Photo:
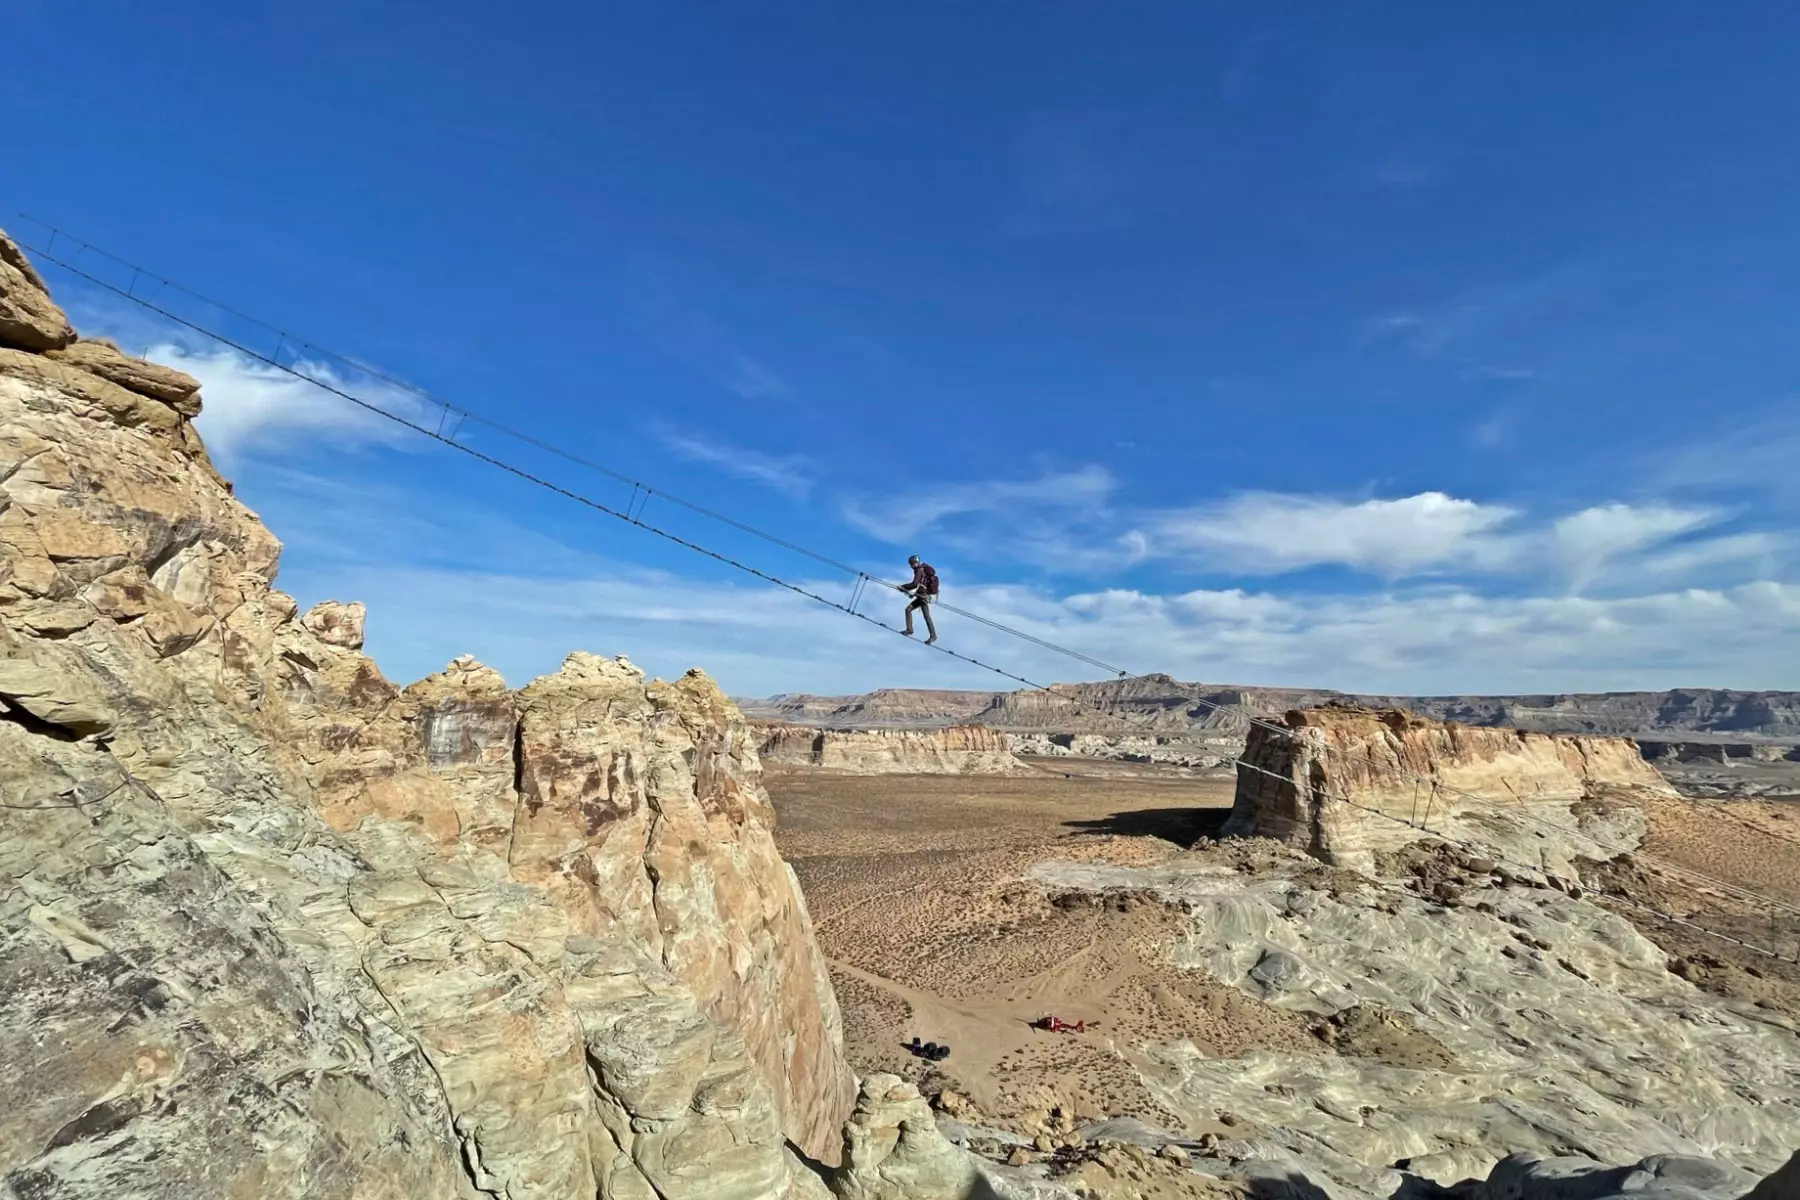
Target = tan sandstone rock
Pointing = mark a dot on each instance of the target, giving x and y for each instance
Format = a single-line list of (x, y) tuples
[(95, 397), (1344, 780), (29, 319), (893, 1150), (336, 624), (271, 926), (958, 750), (177, 389)]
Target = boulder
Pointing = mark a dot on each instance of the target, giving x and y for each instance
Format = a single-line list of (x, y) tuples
[(336, 624)]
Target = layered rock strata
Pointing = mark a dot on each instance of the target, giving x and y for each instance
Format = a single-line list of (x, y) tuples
[(958, 750), (1339, 781), (272, 926)]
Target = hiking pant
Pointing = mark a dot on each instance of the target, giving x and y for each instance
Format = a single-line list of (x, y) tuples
[(923, 604)]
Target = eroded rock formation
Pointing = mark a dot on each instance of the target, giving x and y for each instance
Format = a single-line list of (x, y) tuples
[(272, 926), (1342, 781), (1137, 748), (893, 1150), (957, 750)]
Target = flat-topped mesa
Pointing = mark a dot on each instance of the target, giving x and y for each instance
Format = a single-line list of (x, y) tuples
[(274, 926), (957, 750), (1157, 704), (1341, 782), (898, 707)]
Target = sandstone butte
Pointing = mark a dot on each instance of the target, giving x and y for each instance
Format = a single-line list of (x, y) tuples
[(271, 926), (956, 750), (1338, 781)]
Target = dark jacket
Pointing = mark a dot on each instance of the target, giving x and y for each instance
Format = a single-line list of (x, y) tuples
[(924, 581)]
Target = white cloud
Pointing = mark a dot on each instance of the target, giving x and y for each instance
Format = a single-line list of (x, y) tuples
[(444, 578), (1068, 522), (1434, 534), (1260, 533), (1423, 333), (790, 474), (900, 518), (253, 409), (753, 381), (1755, 555), (759, 640), (1587, 542), (1759, 455), (1402, 174), (675, 302)]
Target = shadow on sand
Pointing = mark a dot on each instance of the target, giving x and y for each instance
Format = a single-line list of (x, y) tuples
[(1183, 826)]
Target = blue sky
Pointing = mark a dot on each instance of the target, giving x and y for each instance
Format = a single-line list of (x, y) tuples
[(1408, 347)]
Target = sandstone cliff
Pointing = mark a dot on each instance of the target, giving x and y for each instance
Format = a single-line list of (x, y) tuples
[(271, 926), (1333, 783), (957, 750)]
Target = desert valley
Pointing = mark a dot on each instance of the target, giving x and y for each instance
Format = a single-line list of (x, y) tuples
[(274, 926)]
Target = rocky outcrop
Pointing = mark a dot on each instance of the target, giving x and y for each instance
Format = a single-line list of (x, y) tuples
[(1514, 1020), (958, 750), (1719, 752), (179, 390), (29, 319), (1135, 748), (893, 1150), (272, 926), (1342, 781)]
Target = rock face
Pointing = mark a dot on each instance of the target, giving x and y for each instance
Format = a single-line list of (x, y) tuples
[(1342, 781), (271, 926), (958, 750)]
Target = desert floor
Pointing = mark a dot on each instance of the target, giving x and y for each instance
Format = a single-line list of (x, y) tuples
[(916, 885)]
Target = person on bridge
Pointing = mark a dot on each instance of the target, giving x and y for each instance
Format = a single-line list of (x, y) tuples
[(924, 591)]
